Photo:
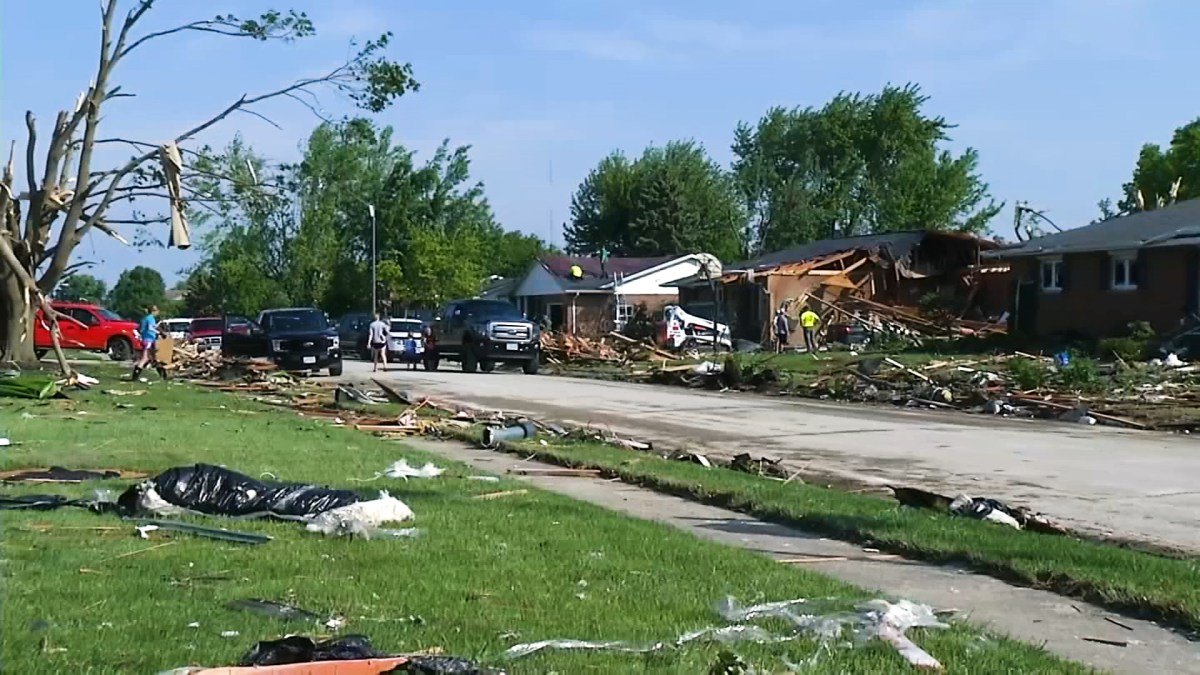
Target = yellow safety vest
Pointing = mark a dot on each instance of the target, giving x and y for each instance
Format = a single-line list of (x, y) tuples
[(809, 319)]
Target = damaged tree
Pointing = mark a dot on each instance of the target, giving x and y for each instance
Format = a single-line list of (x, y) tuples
[(42, 225)]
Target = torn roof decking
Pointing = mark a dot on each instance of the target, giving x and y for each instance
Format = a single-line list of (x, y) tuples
[(1174, 225), (803, 259)]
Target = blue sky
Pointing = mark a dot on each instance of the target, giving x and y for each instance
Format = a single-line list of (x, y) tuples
[(1057, 95)]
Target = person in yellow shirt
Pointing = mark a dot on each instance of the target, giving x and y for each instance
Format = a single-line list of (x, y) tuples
[(809, 321)]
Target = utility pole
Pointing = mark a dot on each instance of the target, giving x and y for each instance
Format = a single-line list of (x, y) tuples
[(374, 283)]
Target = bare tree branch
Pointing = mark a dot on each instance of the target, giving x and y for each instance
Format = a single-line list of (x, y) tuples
[(31, 154)]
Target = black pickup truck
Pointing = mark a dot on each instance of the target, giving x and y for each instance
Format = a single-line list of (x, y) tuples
[(481, 333), (296, 339)]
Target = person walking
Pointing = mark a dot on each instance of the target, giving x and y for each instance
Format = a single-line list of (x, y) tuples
[(809, 321), (148, 332), (377, 336), (782, 328)]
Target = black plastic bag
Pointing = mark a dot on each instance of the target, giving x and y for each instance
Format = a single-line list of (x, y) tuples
[(301, 649), (218, 491)]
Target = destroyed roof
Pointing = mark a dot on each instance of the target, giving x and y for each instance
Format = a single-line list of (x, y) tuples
[(560, 265), (500, 288), (894, 244), (1174, 225)]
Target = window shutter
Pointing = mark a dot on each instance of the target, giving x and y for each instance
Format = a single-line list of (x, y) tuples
[(1064, 273), (1136, 276), (1107, 263)]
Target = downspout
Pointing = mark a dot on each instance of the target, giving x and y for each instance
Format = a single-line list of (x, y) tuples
[(574, 325)]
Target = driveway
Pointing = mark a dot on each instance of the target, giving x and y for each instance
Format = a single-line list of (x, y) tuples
[(1128, 484)]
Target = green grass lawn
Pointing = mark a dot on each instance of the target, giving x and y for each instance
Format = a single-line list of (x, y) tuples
[(83, 594), (1155, 586)]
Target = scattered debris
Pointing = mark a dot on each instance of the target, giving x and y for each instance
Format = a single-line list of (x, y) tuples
[(58, 474), (875, 620), (274, 610), (498, 495), (221, 534), (492, 435), (572, 473), (401, 469), (978, 508)]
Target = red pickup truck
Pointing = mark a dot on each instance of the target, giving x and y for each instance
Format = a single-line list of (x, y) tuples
[(102, 331)]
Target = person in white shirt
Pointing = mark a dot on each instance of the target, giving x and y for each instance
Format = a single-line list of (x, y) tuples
[(377, 337)]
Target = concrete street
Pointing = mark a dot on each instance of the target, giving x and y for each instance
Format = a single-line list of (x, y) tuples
[(1135, 485)]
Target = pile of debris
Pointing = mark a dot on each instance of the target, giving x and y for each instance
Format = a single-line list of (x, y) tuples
[(615, 348), (980, 385)]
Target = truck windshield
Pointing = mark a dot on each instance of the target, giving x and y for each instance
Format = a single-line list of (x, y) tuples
[(207, 325), (108, 314), (298, 320), (492, 309), (400, 326)]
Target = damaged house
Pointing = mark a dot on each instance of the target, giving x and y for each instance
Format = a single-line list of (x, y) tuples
[(589, 296), (858, 281), (1093, 281)]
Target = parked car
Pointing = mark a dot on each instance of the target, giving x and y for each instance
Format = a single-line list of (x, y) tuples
[(102, 330), (352, 331), (176, 329), (401, 331), (206, 332), (481, 333), (299, 339)]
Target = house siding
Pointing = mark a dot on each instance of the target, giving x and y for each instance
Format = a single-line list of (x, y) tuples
[(1087, 306)]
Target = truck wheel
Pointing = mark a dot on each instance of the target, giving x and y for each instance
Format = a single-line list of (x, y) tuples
[(120, 349), (487, 365), (336, 369), (39, 353), (530, 367), (469, 363)]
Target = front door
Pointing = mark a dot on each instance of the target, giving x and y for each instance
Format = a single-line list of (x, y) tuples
[(1024, 317)]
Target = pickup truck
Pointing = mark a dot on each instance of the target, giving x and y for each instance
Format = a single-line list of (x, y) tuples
[(481, 333), (297, 339), (102, 330)]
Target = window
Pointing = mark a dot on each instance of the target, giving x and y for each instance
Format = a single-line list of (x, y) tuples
[(1052, 274), (1124, 271), (84, 316)]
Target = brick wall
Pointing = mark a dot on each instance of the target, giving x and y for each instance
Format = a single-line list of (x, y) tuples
[(1087, 306), (595, 313)]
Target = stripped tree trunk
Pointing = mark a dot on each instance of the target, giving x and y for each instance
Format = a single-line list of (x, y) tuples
[(17, 346)]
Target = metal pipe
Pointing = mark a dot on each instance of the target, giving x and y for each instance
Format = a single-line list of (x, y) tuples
[(494, 435), (374, 283)]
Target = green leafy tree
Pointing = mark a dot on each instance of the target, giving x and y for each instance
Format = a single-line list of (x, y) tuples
[(302, 234), (1162, 177), (69, 194), (861, 164), (671, 200), (137, 289), (82, 288)]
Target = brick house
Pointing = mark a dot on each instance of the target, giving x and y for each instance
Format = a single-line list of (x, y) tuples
[(1093, 281), (602, 296)]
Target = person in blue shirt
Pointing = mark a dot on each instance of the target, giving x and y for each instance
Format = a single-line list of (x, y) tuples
[(148, 332)]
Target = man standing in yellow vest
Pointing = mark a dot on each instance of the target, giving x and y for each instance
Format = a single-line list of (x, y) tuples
[(809, 321)]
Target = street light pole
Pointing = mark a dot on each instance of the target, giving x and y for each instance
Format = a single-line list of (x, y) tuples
[(374, 284)]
